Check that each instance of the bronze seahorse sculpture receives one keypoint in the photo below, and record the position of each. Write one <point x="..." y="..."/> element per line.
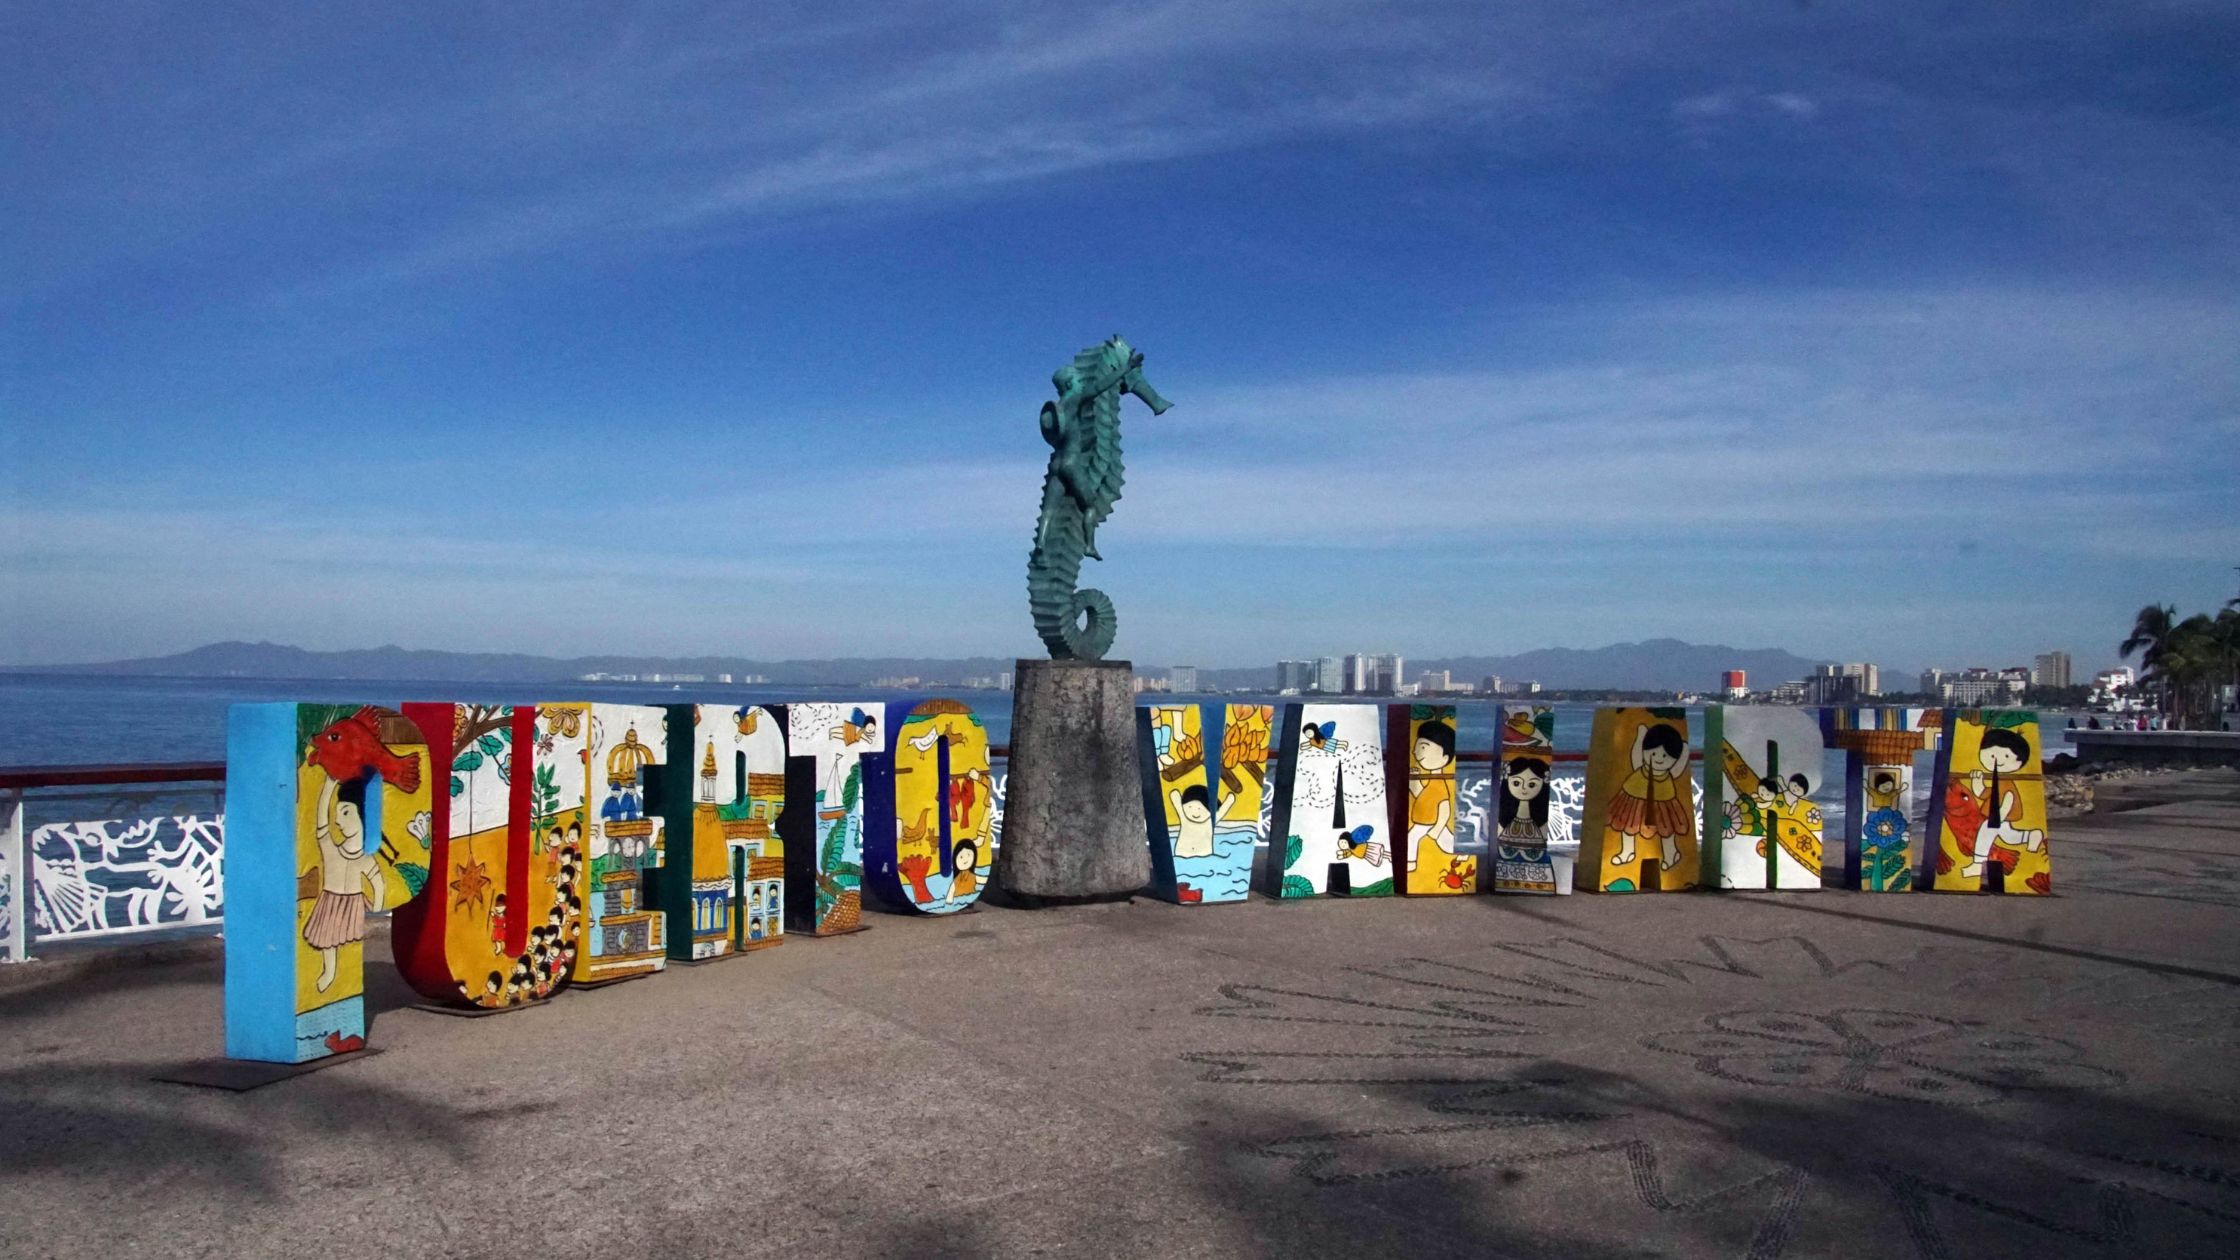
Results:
<point x="1083" y="429"/>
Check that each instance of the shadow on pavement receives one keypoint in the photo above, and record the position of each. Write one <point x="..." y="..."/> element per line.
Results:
<point x="113" y="1127"/>
<point x="2011" y="941"/>
<point x="1564" y="1160"/>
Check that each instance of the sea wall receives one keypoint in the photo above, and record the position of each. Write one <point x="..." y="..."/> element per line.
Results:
<point x="2157" y="748"/>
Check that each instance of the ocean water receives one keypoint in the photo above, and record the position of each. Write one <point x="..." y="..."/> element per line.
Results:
<point x="79" y="720"/>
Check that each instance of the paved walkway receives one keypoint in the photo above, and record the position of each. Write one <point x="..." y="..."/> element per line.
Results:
<point x="1698" y="1075"/>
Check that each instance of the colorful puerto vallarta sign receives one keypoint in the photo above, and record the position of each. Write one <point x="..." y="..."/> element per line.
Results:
<point x="524" y="849"/>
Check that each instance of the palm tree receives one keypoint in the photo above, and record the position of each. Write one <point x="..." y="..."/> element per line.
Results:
<point x="2189" y="662"/>
<point x="2227" y="636"/>
<point x="2151" y="639"/>
<point x="2193" y="664"/>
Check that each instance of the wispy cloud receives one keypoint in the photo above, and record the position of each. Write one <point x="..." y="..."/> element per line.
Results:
<point x="1702" y="110"/>
<point x="1704" y="106"/>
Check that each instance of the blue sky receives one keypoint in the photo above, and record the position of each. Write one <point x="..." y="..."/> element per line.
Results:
<point x="1894" y="331"/>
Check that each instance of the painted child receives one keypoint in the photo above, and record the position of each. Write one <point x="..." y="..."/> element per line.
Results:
<point x="1162" y="738"/>
<point x="1794" y="823"/>
<point x="1749" y="816"/>
<point x="1994" y="803"/>
<point x="966" y="882"/>
<point x="1653" y="802"/>
<point x="348" y="874"/>
<point x="1359" y="845"/>
<point x="1195" y="834"/>
<point x="1883" y="788"/>
<point x="859" y="728"/>
<point x="1431" y="799"/>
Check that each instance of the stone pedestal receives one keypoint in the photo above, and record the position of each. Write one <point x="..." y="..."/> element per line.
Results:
<point x="1073" y="809"/>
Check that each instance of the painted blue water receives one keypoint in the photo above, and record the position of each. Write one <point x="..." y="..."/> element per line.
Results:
<point x="1224" y="874"/>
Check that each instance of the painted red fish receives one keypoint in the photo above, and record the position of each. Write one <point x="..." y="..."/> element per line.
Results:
<point x="351" y="746"/>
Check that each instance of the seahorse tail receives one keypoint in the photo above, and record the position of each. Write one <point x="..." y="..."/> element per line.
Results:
<point x="1090" y="625"/>
<point x="1050" y="599"/>
<point x="1074" y="624"/>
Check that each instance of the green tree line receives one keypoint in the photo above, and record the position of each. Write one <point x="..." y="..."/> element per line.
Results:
<point x="2184" y="665"/>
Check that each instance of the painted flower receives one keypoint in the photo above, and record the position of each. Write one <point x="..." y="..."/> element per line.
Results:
<point x="1885" y="827"/>
<point x="2041" y="883"/>
<point x="1888" y="1054"/>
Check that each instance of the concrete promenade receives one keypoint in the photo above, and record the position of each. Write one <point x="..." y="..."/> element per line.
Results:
<point x="1678" y="1075"/>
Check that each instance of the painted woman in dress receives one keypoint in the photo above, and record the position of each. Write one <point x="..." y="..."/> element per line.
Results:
<point x="348" y="874"/>
<point x="1654" y="800"/>
<point x="1524" y="800"/>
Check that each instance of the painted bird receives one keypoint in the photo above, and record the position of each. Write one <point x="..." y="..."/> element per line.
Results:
<point x="351" y="746"/>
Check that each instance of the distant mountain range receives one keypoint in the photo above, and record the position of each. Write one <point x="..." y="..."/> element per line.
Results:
<point x="1654" y="665"/>
<point x="395" y="664"/>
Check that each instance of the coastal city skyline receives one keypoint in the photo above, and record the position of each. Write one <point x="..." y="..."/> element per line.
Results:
<point x="1792" y="680"/>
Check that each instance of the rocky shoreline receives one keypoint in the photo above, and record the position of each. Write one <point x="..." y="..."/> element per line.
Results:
<point x="2071" y="788"/>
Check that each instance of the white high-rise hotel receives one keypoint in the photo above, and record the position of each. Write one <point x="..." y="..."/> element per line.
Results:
<point x="1372" y="674"/>
<point x="1357" y="674"/>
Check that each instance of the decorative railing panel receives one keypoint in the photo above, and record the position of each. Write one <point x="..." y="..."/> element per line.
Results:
<point x="116" y="875"/>
<point x="108" y="850"/>
<point x="15" y="879"/>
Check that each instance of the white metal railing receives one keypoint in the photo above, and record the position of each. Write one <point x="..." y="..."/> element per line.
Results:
<point x="15" y="879"/>
<point x="107" y="861"/>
